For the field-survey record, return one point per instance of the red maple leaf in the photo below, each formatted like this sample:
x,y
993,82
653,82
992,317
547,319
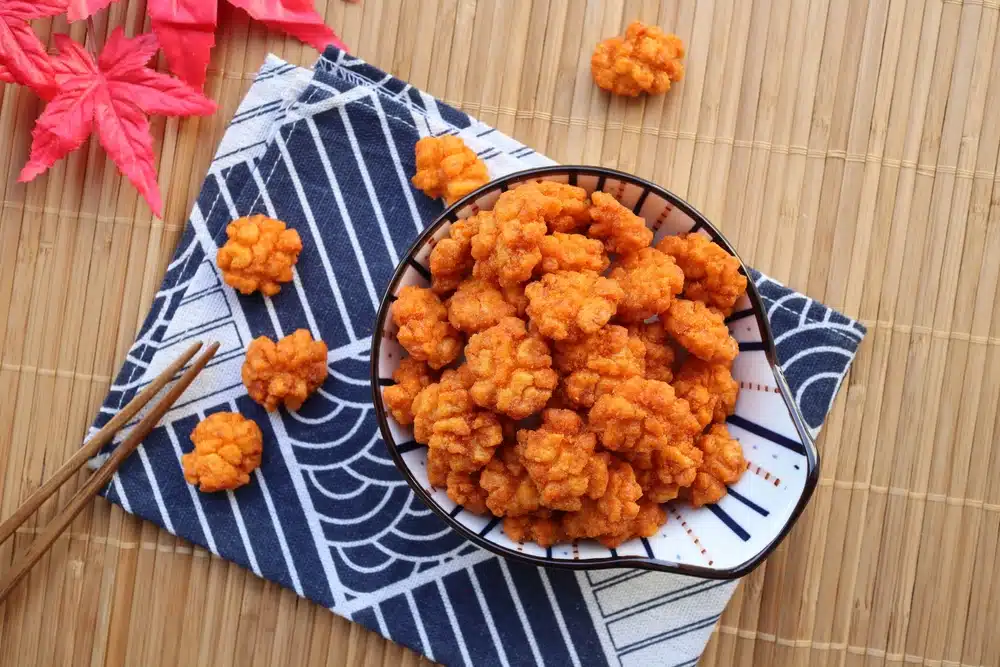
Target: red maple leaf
x,y
186,28
23,58
112,97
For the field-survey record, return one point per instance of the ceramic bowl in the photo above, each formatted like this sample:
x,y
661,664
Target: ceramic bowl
x,y
725,540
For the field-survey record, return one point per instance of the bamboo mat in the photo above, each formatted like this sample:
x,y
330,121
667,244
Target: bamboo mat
x,y
847,147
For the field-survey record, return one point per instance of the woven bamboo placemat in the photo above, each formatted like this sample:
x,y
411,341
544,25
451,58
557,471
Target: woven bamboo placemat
x,y
847,147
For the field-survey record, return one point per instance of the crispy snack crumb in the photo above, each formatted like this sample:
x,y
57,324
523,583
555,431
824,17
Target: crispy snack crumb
x,y
711,275
227,448
641,416
708,388
610,515
701,330
286,372
411,377
478,305
598,363
512,369
542,527
621,230
659,351
723,465
451,259
572,252
510,491
650,280
424,330
569,305
259,254
447,168
506,248
645,60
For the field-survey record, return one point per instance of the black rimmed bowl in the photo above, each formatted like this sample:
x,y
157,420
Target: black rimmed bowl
x,y
721,541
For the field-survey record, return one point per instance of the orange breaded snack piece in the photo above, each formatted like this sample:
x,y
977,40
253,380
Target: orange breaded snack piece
x,y
509,489
611,514
451,259
559,456
464,489
506,248
477,305
460,437
284,373
621,230
645,60
650,280
598,363
711,275
723,465
447,168
424,330
645,523
709,389
572,252
411,376
701,331
568,305
640,416
542,527
663,472
573,212
446,398
227,448
259,254
659,351
512,369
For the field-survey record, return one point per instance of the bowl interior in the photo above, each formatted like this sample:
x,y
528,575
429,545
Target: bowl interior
x,y
726,539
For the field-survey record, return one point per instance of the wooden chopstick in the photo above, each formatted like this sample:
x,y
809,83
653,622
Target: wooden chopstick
x,y
99,479
92,446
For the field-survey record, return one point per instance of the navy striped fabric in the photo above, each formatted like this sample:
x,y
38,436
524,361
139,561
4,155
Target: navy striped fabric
x,y
327,514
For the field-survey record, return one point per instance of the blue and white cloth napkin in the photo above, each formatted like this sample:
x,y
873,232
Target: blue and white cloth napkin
x,y
330,151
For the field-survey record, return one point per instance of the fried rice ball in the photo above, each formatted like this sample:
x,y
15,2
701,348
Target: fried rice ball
x,y
514,295
569,305
259,254
621,230
711,275
464,489
424,330
506,247
659,351
598,363
559,456
664,471
477,305
451,258
709,389
642,415
572,252
573,213
542,527
611,514
284,373
227,448
645,60
512,369
462,438
509,489
411,377
701,331
645,523
447,168
650,280
723,464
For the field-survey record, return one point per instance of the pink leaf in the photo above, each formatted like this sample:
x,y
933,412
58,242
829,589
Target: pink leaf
x,y
111,97
188,50
21,52
296,17
81,9
6,76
